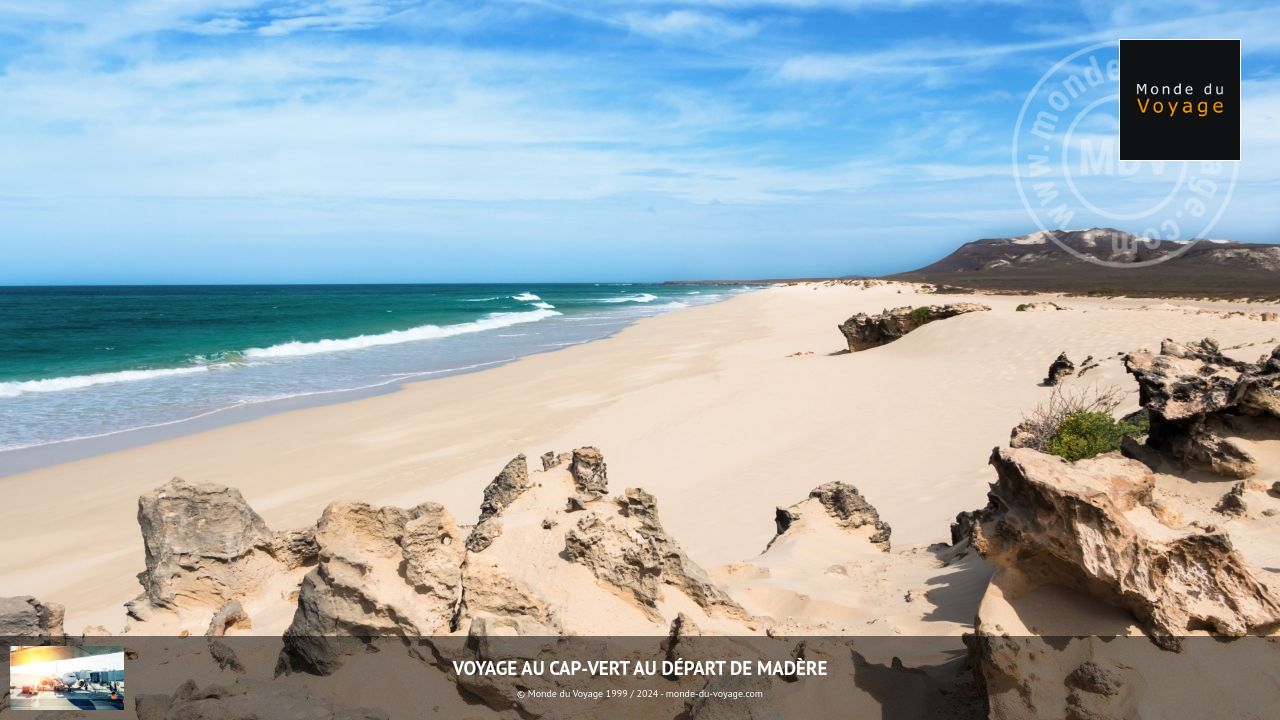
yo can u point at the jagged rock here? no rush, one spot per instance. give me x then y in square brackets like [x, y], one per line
[549, 522]
[382, 571]
[681, 627]
[501, 491]
[225, 656]
[965, 526]
[552, 459]
[27, 617]
[205, 546]
[590, 476]
[505, 487]
[850, 510]
[1206, 351]
[1023, 435]
[631, 551]
[863, 331]
[1233, 502]
[1059, 370]
[1073, 524]
[1096, 679]
[491, 593]
[1202, 447]
[1194, 396]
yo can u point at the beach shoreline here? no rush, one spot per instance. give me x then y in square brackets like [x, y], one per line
[723, 412]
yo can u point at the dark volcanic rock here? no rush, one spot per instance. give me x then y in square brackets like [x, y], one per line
[1059, 370]
[863, 331]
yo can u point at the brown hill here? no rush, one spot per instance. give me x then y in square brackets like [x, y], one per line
[1216, 268]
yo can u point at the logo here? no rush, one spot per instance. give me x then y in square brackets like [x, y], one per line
[1070, 173]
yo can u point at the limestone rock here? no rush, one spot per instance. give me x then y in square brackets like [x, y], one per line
[863, 331]
[501, 492]
[590, 476]
[1075, 525]
[249, 699]
[552, 459]
[228, 616]
[1195, 396]
[843, 503]
[27, 617]
[205, 546]
[630, 551]
[1059, 370]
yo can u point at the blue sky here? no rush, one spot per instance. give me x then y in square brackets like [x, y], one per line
[388, 140]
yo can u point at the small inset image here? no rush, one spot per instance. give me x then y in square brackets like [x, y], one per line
[66, 677]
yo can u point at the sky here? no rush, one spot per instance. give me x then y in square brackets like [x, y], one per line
[224, 141]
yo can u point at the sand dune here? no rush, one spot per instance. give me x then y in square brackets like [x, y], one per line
[710, 409]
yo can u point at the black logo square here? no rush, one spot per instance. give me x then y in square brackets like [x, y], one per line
[1180, 99]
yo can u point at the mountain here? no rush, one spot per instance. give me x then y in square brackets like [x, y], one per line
[1218, 268]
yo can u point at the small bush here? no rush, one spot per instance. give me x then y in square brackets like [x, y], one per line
[1086, 433]
[1022, 307]
[920, 315]
[1042, 423]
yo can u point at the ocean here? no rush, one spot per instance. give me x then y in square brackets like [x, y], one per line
[85, 362]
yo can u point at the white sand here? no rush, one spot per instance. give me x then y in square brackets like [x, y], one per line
[702, 407]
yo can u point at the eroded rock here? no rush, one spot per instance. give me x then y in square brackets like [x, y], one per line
[1076, 525]
[629, 550]
[1195, 396]
[590, 474]
[863, 331]
[501, 492]
[1059, 370]
[205, 546]
[26, 617]
[843, 503]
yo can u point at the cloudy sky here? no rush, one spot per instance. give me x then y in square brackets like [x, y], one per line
[396, 140]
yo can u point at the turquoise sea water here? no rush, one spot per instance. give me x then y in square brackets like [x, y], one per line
[88, 361]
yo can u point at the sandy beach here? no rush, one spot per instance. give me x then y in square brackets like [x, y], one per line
[722, 412]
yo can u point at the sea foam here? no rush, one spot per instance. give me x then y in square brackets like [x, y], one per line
[492, 321]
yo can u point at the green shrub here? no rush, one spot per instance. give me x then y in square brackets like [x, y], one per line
[1022, 307]
[1086, 433]
[920, 315]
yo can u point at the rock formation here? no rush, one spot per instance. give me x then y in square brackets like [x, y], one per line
[1196, 398]
[1092, 525]
[1059, 370]
[629, 550]
[27, 617]
[381, 571]
[205, 547]
[590, 476]
[863, 331]
[501, 492]
[842, 502]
